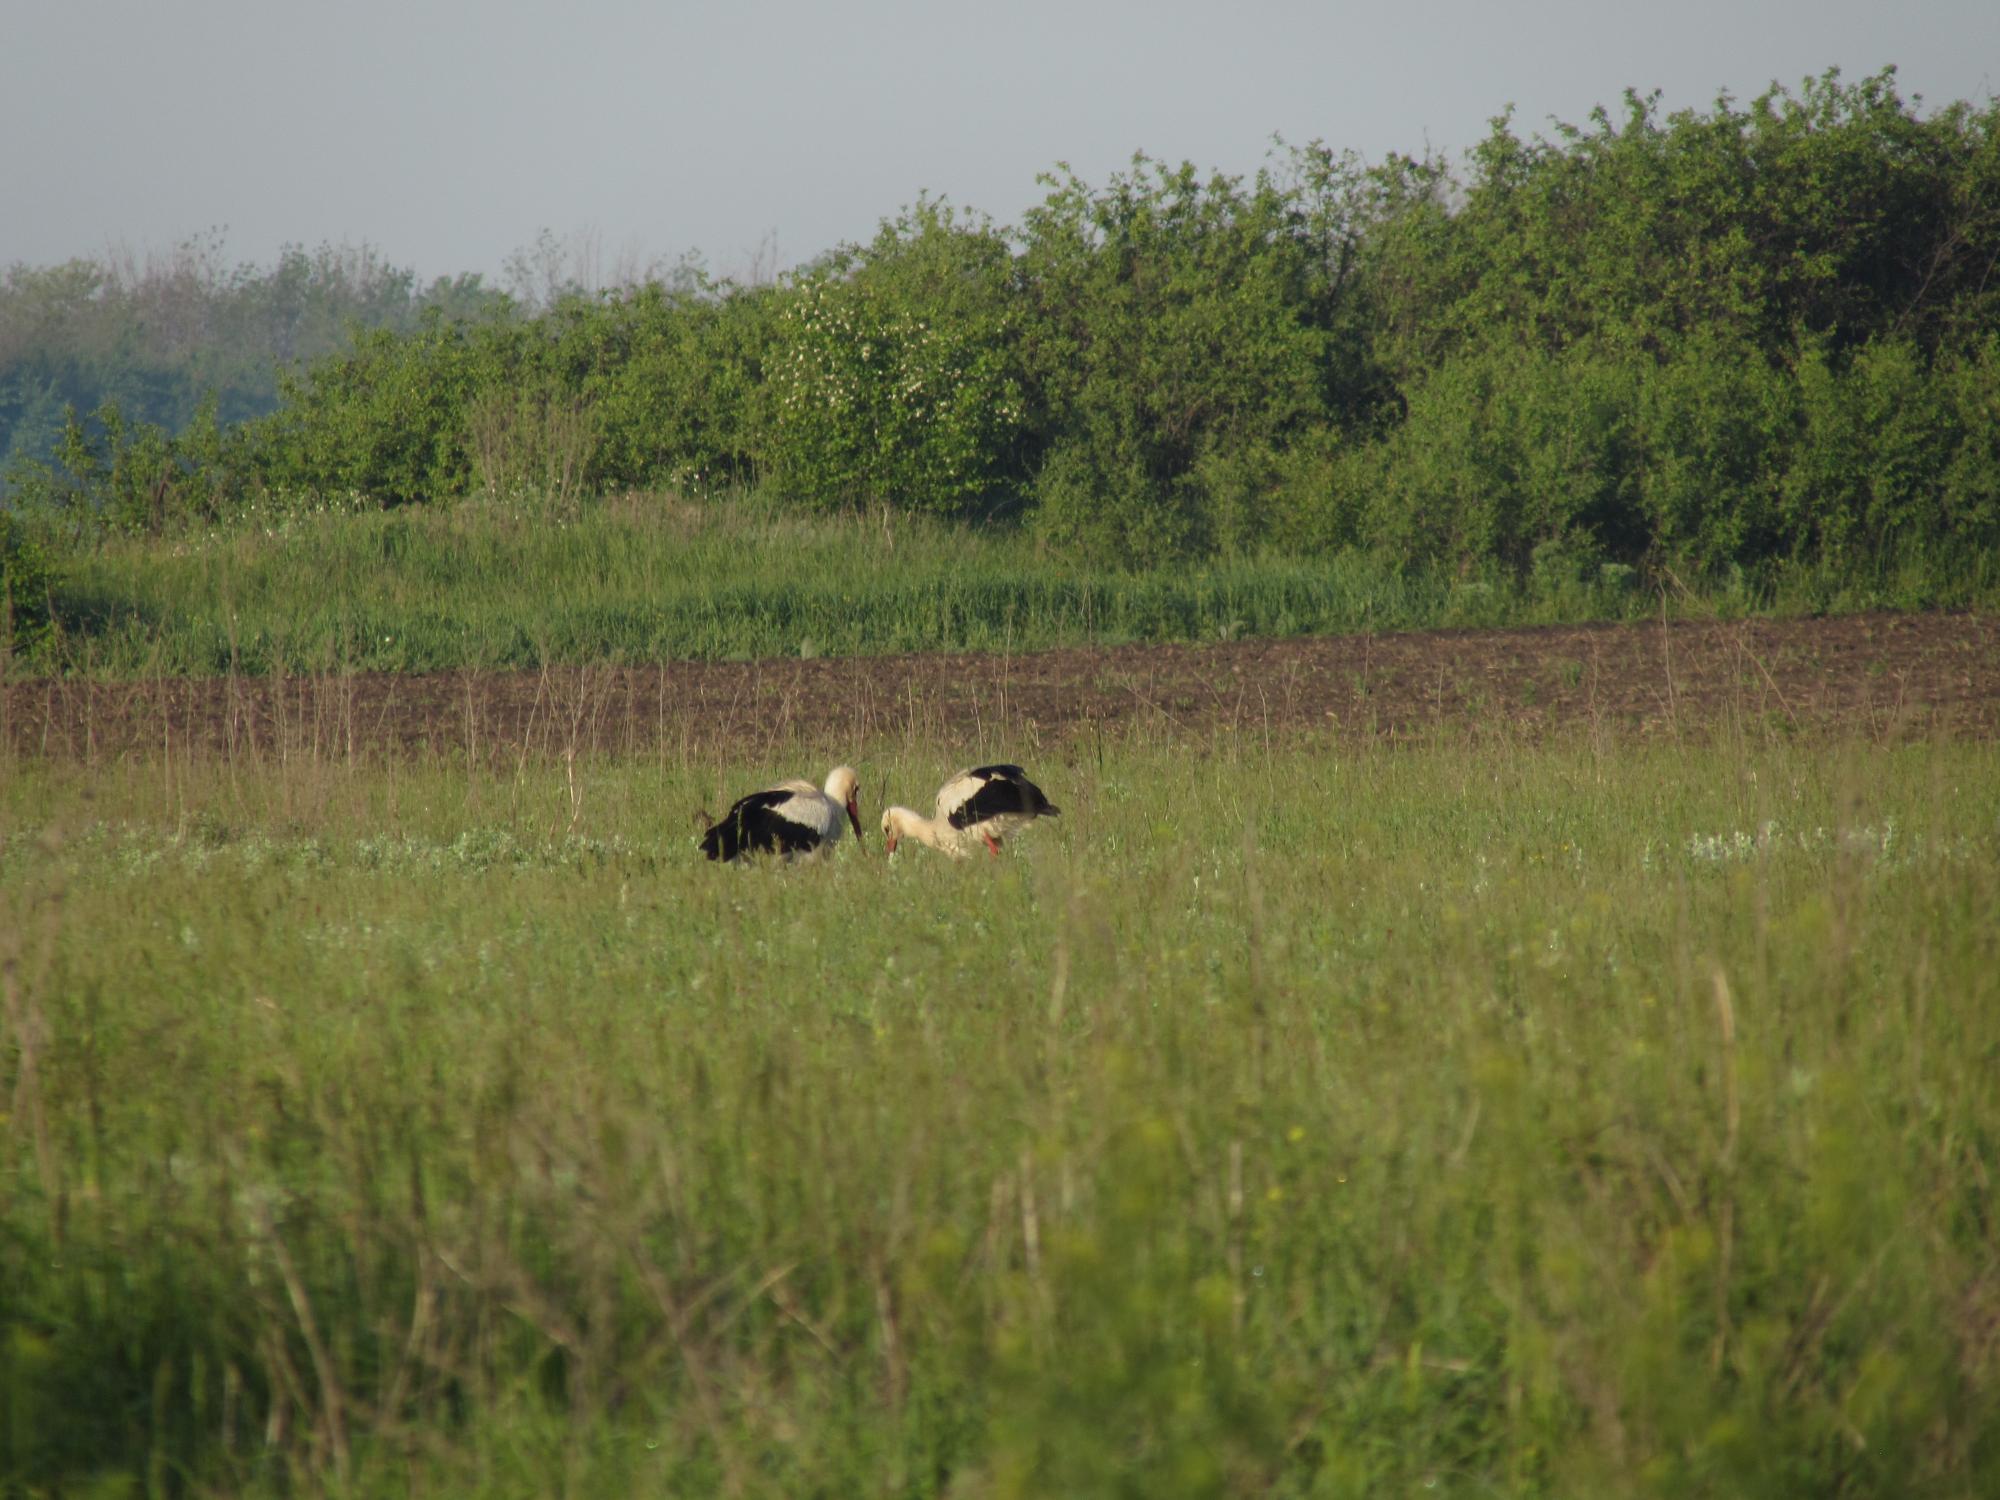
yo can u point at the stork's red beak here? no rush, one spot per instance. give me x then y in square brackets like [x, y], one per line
[854, 817]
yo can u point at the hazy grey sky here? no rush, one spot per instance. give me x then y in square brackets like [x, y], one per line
[446, 133]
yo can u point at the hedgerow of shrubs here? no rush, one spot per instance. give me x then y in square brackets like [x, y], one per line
[1748, 337]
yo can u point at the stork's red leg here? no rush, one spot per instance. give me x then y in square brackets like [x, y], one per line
[992, 846]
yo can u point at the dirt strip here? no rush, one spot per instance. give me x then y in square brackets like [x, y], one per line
[1876, 675]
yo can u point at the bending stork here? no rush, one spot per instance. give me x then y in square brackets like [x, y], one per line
[987, 803]
[793, 817]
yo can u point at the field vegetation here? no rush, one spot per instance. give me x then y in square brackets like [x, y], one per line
[495, 584]
[1411, 1065]
[1470, 1117]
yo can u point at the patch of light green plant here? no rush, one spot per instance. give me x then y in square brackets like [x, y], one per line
[504, 582]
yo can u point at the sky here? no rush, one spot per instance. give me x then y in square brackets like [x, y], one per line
[448, 134]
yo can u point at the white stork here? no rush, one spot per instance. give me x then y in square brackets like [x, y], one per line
[793, 817]
[988, 802]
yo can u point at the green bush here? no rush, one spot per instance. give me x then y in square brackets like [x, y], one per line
[1732, 342]
[1097, 497]
[1507, 451]
[1716, 428]
[1968, 500]
[388, 421]
[677, 392]
[1875, 441]
[894, 373]
[1838, 214]
[1176, 324]
[135, 479]
[28, 579]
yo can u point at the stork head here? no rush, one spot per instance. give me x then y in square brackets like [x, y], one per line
[892, 827]
[845, 788]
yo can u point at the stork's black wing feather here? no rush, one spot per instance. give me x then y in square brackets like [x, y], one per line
[1006, 790]
[754, 826]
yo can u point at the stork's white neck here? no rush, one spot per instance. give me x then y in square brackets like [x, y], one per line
[903, 823]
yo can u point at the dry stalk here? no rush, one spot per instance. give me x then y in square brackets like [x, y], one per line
[1240, 1292]
[892, 1342]
[412, 1358]
[575, 792]
[679, 1319]
[1667, 664]
[1743, 649]
[31, 1033]
[1031, 1224]
[332, 1400]
[1725, 1015]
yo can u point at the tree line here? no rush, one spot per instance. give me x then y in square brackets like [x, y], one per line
[159, 336]
[1743, 337]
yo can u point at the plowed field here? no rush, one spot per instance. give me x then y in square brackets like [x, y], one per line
[1876, 675]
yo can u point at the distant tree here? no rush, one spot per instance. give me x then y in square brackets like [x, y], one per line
[155, 336]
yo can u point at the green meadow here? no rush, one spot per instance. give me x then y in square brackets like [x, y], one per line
[493, 584]
[1455, 1119]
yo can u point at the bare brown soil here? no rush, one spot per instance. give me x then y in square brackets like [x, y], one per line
[1874, 675]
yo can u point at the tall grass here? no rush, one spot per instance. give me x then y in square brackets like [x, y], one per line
[500, 584]
[1521, 1121]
